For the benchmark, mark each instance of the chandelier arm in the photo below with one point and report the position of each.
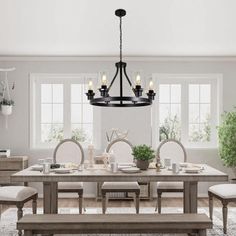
(127, 77)
(113, 79)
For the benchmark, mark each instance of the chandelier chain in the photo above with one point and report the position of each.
(120, 38)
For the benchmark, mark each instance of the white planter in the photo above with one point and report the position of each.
(6, 110)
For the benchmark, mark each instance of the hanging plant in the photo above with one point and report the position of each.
(6, 103)
(6, 106)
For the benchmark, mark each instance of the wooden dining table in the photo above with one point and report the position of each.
(100, 174)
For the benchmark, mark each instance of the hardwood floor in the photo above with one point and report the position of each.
(166, 202)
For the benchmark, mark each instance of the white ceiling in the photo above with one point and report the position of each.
(89, 27)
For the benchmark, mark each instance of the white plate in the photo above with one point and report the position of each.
(62, 170)
(37, 167)
(192, 170)
(130, 170)
(183, 164)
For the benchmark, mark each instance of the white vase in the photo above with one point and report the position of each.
(6, 110)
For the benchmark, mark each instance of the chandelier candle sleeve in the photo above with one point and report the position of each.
(105, 100)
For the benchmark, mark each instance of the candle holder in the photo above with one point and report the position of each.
(151, 94)
(104, 91)
(138, 91)
(90, 94)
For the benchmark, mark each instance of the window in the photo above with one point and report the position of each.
(187, 109)
(60, 109)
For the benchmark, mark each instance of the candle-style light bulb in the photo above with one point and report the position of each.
(104, 79)
(104, 90)
(90, 85)
(138, 79)
(151, 93)
(151, 85)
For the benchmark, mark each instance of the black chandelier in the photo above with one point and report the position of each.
(121, 101)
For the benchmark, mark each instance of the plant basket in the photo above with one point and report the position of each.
(6, 110)
(142, 165)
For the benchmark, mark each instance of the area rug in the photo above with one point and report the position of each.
(8, 219)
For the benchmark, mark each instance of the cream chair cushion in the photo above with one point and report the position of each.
(170, 185)
(120, 185)
(16, 193)
(225, 191)
(70, 185)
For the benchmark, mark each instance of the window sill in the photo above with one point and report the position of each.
(201, 148)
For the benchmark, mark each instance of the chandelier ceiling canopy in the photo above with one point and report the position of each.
(105, 100)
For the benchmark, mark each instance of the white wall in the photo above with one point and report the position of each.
(137, 120)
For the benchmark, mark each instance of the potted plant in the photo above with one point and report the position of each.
(6, 106)
(227, 139)
(143, 154)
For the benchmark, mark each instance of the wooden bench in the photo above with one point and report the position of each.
(114, 224)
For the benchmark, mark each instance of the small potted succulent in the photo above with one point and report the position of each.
(6, 106)
(143, 154)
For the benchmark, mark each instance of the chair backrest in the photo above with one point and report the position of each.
(122, 149)
(173, 149)
(68, 150)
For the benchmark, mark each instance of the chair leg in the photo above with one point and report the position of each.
(104, 203)
(137, 200)
(80, 203)
(202, 232)
(210, 205)
(28, 233)
(34, 204)
(225, 216)
(0, 211)
(19, 214)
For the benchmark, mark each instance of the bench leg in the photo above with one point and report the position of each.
(210, 205)
(34, 205)
(137, 200)
(19, 214)
(104, 203)
(158, 204)
(202, 232)
(80, 203)
(28, 233)
(225, 215)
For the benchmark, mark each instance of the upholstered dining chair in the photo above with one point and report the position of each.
(173, 149)
(69, 150)
(18, 196)
(225, 193)
(122, 149)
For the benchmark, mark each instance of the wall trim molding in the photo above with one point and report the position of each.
(36, 58)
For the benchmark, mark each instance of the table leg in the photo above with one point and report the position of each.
(50, 197)
(193, 196)
(190, 197)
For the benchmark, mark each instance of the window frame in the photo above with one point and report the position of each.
(216, 81)
(36, 79)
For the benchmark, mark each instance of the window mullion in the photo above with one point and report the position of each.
(67, 109)
(184, 112)
(38, 112)
(213, 109)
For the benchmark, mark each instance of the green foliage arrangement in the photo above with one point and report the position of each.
(227, 138)
(143, 152)
(6, 102)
